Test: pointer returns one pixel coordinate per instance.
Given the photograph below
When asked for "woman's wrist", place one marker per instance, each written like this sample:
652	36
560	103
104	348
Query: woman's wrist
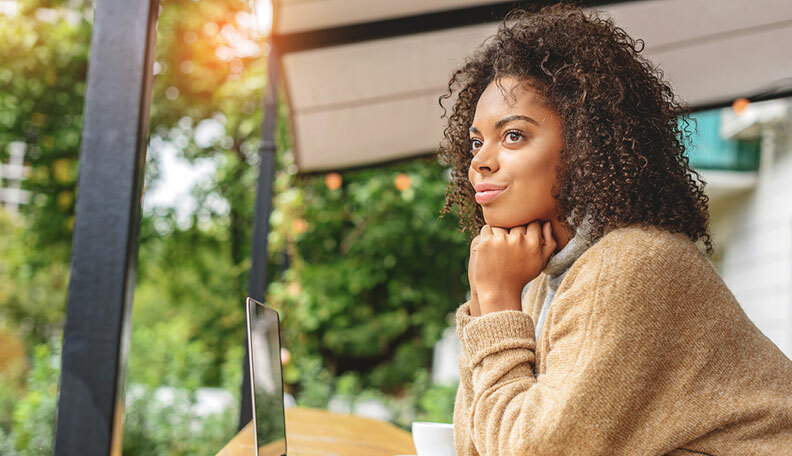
475	309
497	300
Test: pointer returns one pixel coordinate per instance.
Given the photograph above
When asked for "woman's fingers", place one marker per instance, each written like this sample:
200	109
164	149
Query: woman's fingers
475	310
549	242
474	244
534	232
472	262
505	260
499	233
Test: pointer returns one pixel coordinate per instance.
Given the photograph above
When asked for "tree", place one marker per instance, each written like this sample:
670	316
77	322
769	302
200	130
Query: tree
42	85
375	274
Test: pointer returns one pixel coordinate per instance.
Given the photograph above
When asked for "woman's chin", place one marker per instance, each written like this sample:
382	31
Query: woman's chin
506	222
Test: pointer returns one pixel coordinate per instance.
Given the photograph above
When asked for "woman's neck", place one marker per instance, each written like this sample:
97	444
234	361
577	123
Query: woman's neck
561	234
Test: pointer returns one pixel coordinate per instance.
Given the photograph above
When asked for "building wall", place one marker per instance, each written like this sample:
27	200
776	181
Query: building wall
753	235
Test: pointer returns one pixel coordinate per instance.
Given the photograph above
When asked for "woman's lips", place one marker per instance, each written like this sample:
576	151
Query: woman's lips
488	196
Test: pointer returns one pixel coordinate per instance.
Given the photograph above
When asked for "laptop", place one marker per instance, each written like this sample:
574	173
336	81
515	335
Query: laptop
266	379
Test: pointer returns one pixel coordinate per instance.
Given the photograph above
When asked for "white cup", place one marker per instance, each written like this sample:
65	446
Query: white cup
433	439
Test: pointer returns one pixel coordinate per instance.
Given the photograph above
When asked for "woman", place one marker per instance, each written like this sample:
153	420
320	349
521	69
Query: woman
568	161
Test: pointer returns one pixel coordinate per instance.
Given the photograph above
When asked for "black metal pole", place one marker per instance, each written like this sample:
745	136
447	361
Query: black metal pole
258	269
90	412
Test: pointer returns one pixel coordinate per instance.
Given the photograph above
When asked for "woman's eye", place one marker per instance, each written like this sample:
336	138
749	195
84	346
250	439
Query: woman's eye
513	136
475	144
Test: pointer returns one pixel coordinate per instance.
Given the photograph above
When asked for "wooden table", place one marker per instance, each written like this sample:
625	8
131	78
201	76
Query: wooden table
313	432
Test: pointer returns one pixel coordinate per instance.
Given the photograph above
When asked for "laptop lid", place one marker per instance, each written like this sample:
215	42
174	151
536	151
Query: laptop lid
266	378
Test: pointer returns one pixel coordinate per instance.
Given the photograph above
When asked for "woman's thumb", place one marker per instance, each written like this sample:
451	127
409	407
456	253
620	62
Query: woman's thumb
549	242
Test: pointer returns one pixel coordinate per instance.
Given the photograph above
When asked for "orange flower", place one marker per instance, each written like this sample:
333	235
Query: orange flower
740	104
402	182
299	226
333	181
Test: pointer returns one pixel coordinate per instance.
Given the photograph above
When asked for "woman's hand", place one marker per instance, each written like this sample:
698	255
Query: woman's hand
474	305
506	260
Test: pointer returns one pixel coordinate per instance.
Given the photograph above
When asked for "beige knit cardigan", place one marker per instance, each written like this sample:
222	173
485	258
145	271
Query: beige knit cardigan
645	351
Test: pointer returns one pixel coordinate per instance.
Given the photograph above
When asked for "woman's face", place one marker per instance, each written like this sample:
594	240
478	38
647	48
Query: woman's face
516	142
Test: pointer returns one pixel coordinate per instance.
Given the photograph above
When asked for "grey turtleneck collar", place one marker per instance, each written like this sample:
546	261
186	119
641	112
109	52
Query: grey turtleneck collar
559	264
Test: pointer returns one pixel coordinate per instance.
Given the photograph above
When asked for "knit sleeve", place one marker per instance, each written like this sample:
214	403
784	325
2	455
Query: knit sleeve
463	442
609	386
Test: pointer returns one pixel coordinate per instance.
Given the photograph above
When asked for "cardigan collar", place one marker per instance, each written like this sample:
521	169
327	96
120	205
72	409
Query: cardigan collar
561	261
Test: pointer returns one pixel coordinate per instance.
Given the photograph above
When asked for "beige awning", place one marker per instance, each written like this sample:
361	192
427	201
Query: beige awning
363	76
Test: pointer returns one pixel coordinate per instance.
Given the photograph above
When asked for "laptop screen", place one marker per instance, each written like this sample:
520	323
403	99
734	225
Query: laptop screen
266	379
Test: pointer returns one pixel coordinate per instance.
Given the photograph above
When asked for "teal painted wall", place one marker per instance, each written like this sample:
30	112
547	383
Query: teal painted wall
710	151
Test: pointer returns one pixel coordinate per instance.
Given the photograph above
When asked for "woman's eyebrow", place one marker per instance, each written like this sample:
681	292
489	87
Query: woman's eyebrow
506	120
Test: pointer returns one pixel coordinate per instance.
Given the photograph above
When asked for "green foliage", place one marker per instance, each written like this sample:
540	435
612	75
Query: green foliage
42	86
11	387
153	425
160	413
210	71
153	428
212	58
364	276
433	402
421	400
165	371
318	385
378	273
33	414
31	297
186	277
186	365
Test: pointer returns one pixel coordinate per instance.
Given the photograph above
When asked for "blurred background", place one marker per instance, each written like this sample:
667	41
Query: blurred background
365	275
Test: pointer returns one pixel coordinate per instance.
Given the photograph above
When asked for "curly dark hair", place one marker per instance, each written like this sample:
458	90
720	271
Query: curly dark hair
623	157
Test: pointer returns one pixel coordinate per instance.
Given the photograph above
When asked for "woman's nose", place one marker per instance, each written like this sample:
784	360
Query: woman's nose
485	160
